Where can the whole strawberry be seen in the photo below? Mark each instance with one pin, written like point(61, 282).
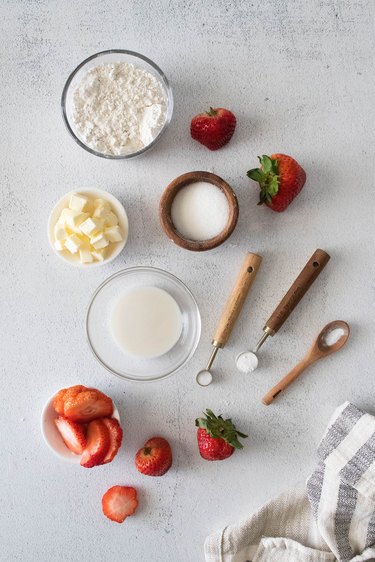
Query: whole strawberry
point(281, 179)
point(213, 128)
point(217, 438)
point(155, 457)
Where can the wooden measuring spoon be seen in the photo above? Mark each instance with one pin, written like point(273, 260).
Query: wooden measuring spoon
point(320, 348)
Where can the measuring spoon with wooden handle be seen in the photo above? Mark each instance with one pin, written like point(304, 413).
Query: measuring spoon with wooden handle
point(231, 311)
point(301, 285)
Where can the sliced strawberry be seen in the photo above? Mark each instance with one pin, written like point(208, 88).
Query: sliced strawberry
point(119, 502)
point(63, 394)
point(88, 405)
point(72, 434)
point(115, 436)
point(97, 444)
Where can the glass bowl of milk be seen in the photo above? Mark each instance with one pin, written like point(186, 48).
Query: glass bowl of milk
point(143, 324)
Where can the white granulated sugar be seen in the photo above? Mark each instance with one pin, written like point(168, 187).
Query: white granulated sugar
point(119, 108)
point(200, 211)
point(333, 336)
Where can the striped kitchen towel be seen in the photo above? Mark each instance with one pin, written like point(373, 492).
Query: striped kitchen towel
point(332, 519)
point(342, 488)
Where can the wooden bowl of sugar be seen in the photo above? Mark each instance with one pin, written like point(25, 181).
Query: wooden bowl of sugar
point(198, 211)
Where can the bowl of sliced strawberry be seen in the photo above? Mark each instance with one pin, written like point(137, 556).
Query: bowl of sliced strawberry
point(82, 425)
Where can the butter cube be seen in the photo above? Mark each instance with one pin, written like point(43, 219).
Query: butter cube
point(75, 219)
point(72, 243)
point(110, 219)
point(101, 212)
point(85, 256)
point(98, 254)
point(113, 234)
point(99, 241)
point(60, 232)
point(77, 202)
point(65, 213)
point(91, 226)
point(59, 245)
point(102, 203)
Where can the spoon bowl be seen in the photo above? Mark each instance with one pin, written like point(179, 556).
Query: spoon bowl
point(339, 332)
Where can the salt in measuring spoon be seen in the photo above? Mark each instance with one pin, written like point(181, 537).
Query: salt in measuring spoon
point(247, 361)
point(231, 312)
point(332, 338)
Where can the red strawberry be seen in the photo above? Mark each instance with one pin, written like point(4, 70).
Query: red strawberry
point(87, 405)
point(115, 438)
point(97, 445)
point(63, 394)
point(72, 433)
point(281, 179)
point(214, 128)
point(155, 457)
point(119, 502)
point(217, 438)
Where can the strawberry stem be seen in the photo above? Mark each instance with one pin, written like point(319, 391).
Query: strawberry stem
point(212, 112)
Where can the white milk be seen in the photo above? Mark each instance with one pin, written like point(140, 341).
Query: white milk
point(146, 322)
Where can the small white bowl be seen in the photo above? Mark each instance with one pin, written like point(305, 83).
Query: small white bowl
point(52, 436)
point(113, 250)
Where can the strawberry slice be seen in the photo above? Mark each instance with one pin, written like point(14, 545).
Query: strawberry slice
point(119, 502)
point(72, 434)
point(63, 394)
point(88, 405)
point(97, 444)
point(115, 437)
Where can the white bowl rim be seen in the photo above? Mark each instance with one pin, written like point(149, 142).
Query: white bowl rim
point(156, 270)
point(105, 195)
point(169, 108)
point(69, 456)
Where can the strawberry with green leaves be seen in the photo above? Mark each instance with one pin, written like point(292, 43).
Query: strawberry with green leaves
point(217, 438)
point(280, 178)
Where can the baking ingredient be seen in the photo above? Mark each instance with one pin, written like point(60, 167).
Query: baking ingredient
point(146, 322)
point(281, 179)
point(86, 228)
point(200, 211)
point(333, 336)
point(217, 438)
point(213, 128)
point(247, 362)
point(115, 438)
point(119, 502)
point(155, 457)
point(97, 445)
point(72, 433)
point(87, 405)
point(118, 108)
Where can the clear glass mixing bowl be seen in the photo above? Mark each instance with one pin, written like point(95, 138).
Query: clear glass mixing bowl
point(103, 345)
point(114, 55)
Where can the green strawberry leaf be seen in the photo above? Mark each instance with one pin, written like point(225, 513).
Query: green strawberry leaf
point(255, 174)
point(266, 163)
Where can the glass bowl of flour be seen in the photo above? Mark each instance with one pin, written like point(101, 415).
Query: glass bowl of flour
point(117, 104)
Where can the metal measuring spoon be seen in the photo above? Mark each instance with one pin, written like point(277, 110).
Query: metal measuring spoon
point(247, 361)
point(326, 343)
point(231, 312)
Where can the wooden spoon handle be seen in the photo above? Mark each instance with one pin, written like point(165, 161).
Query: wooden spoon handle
point(301, 285)
point(236, 299)
point(286, 381)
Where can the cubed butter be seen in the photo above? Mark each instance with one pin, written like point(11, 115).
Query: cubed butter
point(75, 219)
point(60, 232)
point(77, 202)
point(65, 213)
point(73, 243)
point(92, 226)
point(59, 245)
point(110, 219)
point(99, 241)
point(98, 254)
point(102, 203)
point(113, 234)
point(85, 255)
point(101, 212)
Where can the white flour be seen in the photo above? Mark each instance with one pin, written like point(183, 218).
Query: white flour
point(119, 108)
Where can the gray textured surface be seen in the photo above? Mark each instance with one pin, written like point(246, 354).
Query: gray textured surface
point(300, 78)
